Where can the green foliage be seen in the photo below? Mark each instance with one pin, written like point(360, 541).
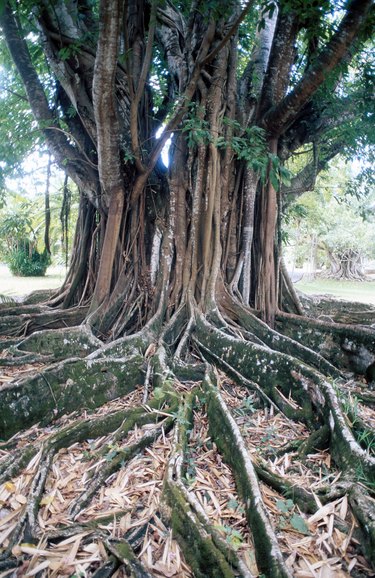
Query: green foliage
point(232, 536)
point(26, 261)
point(18, 242)
point(251, 146)
point(195, 127)
point(336, 217)
point(290, 517)
point(247, 407)
point(351, 408)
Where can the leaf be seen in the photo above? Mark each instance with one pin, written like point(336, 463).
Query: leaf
point(284, 505)
point(274, 180)
point(158, 393)
point(299, 524)
point(232, 504)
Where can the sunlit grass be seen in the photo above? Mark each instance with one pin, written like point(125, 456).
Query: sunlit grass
point(363, 291)
point(21, 286)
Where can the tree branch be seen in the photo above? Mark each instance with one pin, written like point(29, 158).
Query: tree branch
point(233, 29)
point(65, 154)
point(140, 88)
point(278, 118)
point(306, 178)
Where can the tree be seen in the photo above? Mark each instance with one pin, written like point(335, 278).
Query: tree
point(334, 220)
point(168, 261)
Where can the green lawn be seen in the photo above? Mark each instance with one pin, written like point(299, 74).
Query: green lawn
point(21, 286)
point(363, 291)
point(350, 290)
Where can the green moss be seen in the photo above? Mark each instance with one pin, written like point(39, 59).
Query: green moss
point(123, 550)
point(66, 387)
point(269, 562)
point(61, 343)
point(205, 559)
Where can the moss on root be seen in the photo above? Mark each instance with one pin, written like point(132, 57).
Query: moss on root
point(65, 387)
point(228, 439)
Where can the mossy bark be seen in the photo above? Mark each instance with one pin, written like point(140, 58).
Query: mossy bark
point(227, 437)
point(66, 387)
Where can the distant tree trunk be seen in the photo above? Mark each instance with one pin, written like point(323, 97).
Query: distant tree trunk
point(312, 262)
point(47, 209)
point(347, 264)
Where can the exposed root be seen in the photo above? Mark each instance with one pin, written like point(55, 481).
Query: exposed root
point(26, 323)
point(229, 440)
point(283, 343)
point(65, 387)
point(276, 479)
point(205, 550)
point(347, 312)
point(347, 347)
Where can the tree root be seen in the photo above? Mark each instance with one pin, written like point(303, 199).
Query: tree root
point(228, 438)
point(122, 456)
point(117, 423)
point(340, 311)
point(109, 440)
point(56, 344)
point(66, 387)
point(314, 395)
point(303, 498)
point(347, 347)
point(206, 551)
point(26, 323)
point(364, 510)
point(121, 550)
point(282, 343)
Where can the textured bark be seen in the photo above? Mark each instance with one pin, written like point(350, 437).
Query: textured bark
point(166, 265)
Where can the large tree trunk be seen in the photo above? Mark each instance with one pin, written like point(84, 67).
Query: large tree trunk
point(174, 269)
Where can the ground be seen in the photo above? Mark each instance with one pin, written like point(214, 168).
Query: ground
point(129, 463)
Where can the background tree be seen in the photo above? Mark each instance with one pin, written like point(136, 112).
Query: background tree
point(169, 260)
point(331, 227)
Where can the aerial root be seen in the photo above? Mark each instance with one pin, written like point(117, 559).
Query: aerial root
point(184, 339)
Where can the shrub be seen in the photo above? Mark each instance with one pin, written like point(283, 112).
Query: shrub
point(27, 262)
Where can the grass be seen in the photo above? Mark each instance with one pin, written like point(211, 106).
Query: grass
point(362, 291)
point(21, 286)
point(351, 290)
